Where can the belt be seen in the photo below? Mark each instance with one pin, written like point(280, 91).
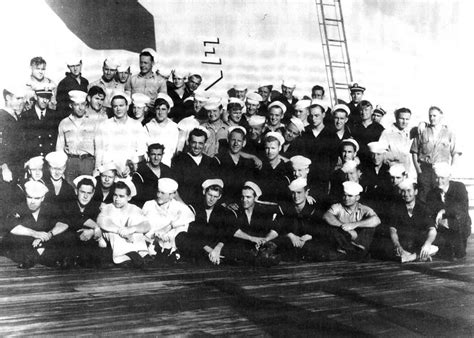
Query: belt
point(81, 157)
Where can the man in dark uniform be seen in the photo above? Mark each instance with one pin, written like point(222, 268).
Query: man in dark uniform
point(40, 125)
point(72, 81)
point(148, 173)
point(294, 145)
point(449, 206)
point(37, 233)
point(265, 92)
point(255, 229)
point(302, 230)
point(60, 193)
point(11, 134)
point(90, 247)
point(105, 183)
point(255, 144)
point(366, 131)
point(178, 91)
point(357, 92)
point(192, 168)
point(411, 230)
point(321, 147)
point(286, 97)
point(212, 228)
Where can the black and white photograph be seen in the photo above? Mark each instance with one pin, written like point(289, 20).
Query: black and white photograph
point(236, 168)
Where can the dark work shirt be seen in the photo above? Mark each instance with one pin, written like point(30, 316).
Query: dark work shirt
point(48, 216)
point(220, 228)
point(76, 218)
point(262, 220)
point(62, 95)
point(300, 223)
point(146, 182)
point(419, 222)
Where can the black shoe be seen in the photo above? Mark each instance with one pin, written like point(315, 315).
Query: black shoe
point(26, 265)
point(267, 260)
point(137, 260)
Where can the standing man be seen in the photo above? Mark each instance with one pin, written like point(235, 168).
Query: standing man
point(131, 143)
point(449, 205)
point(357, 93)
point(76, 134)
point(436, 143)
point(146, 82)
point(255, 144)
point(72, 81)
point(95, 104)
point(12, 136)
point(276, 112)
point(38, 80)
point(397, 137)
point(216, 127)
point(107, 81)
point(287, 98)
point(40, 125)
point(193, 83)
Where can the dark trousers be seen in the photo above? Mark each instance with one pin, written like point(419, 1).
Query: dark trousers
point(426, 180)
point(313, 250)
point(453, 243)
point(190, 246)
point(343, 239)
point(20, 249)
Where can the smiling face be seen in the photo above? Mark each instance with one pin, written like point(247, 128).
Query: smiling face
point(146, 64)
point(38, 71)
point(299, 196)
point(247, 198)
point(96, 102)
point(274, 116)
point(340, 120)
point(272, 149)
point(161, 113)
point(236, 142)
point(196, 145)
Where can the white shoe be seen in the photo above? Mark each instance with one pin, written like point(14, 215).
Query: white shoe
point(433, 250)
point(408, 257)
point(102, 243)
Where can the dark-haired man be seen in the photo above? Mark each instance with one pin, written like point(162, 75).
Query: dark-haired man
point(38, 80)
point(107, 80)
point(72, 81)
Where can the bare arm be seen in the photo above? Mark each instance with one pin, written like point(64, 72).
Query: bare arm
point(331, 219)
point(415, 163)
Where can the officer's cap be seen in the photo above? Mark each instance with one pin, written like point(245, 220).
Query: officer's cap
point(355, 87)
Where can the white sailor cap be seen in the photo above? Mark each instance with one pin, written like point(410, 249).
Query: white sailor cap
point(73, 60)
point(254, 187)
point(407, 183)
point(318, 102)
point(289, 83)
point(200, 95)
point(111, 63)
point(302, 104)
point(397, 169)
point(210, 182)
point(56, 159)
point(140, 99)
point(231, 129)
point(212, 103)
point(82, 177)
point(352, 188)
point(180, 73)
point(300, 162)
point(35, 189)
point(298, 184)
point(256, 120)
point(16, 89)
point(442, 169)
point(167, 185)
point(130, 185)
point(188, 123)
point(298, 124)
point(378, 147)
point(349, 166)
point(237, 101)
point(352, 142)
point(35, 162)
point(276, 135)
point(341, 107)
point(165, 97)
point(123, 68)
point(240, 87)
point(254, 98)
point(77, 96)
point(164, 71)
point(151, 51)
point(277, 104)
point(122, 94)
point(204, 129)
point(107, 166)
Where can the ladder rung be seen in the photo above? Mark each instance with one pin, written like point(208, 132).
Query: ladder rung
point(341, 84)
point(335, 40)
point(333, 20)
point(336, 66)
point(340, 62)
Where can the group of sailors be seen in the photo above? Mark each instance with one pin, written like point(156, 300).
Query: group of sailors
point(146, 169)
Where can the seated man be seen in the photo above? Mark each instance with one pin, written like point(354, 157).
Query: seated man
point(353, 222)
point(212, 228)
point(302, 230)
point(449, 205)
point(256, 227)
point(124, 226)
point(36, 233)
point(61, 193)
point(81, 218)
point(148, 173)
point(168, 217)
point(412, 232)
point(104, 191)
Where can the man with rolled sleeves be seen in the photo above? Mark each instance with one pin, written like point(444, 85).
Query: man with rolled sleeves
point(40, 125)
point(302, 230)
point(72, 81)
point(107, 81)
point(353, 224)
point(254, 231)
point(95, 104)
point(11, 134)
point(76, 137)
point(436, 143)
point(216, 127)
point(146, 82)
point(449, 207)
point(37, 232)
point(212, 228)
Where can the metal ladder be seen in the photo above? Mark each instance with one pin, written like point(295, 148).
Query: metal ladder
point(336, 53)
